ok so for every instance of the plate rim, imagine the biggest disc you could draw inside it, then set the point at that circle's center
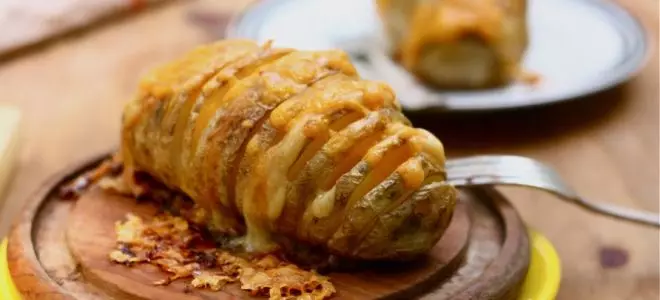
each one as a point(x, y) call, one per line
point(630, 67)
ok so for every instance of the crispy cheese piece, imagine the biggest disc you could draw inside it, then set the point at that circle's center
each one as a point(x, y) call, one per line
point(169, 243)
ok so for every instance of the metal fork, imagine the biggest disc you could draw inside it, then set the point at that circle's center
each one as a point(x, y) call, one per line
point(522, 171)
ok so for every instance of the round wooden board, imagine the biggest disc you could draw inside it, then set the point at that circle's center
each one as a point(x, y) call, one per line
point(58, 250)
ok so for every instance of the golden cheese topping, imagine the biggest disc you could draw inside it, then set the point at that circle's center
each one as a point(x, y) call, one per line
point(349, 94)
point(412, 173)
point(280, 159)
point(164, 80)
point(324, 203)
point(426, 142)
point(451, 20)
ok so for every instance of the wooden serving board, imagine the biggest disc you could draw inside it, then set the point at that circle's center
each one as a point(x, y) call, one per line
point(58, 250)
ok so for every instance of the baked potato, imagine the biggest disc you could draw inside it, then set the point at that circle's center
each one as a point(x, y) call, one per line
point(279, 144)
point(457, 43)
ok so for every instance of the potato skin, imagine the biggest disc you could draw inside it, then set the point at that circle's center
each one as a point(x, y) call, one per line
point(413, 227)
point(325, 163)
point(279, 144)
point(361, 218)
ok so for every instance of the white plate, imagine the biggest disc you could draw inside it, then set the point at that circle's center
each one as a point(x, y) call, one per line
point(578, 47)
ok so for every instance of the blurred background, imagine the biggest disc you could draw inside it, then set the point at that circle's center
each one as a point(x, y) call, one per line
point(68, 66)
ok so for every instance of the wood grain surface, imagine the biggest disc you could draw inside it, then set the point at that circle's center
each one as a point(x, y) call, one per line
point(71, 93)
point(91, 237)
point(58, 249)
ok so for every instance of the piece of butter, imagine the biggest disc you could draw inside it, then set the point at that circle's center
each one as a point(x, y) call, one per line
point(9, 122)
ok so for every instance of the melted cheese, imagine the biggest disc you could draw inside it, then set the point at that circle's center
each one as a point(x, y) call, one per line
point(280, 158)
point(377, 152)
point(412, 173)
point(448, 21)
point(378, 94)
point(189, 98)
point(309, 151)
point(254, 205)
point(383, 159)
point(334, 93)
point(323, 204)
point(287, 111)
point(426, 142)
point(348, 160)
point(216, 90)
point(316, 127)
point(164, 80)
point(348, 147)
point(320, 140)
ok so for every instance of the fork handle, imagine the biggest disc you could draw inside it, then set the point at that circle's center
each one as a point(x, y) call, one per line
point(605, 209)
point(621, 213)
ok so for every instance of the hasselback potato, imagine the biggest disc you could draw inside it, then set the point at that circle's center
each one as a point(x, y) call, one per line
point(457, 43)
point(283, 144)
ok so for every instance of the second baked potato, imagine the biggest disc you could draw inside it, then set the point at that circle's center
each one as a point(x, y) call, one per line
point(457, 43)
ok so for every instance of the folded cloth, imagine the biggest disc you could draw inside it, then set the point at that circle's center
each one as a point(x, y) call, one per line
point(27, 22)
point(9, 119)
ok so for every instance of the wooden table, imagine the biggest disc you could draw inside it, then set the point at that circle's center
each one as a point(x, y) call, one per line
point(72, 93)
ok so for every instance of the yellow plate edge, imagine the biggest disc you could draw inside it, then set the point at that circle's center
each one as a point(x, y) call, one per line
point(541, 283)
point(7, 289)
point(544, 273)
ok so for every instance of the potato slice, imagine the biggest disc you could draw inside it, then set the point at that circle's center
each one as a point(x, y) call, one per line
point(337, 158)
point(350, 185)
point(205, 105)
point(215, 92)
point(244, 104)
point(247, 108)
point(313, 147)
point(212, 96)
point(216, 100)
point(223, 217)
point(305, 137)
point(177, 119)
point(391, 192)
point(267, 135)
point(181, 117)
point(345, 109)
point(162, 85)
point(357, 212)
point(249, 166)
point(257, 155)
point(414, 226)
